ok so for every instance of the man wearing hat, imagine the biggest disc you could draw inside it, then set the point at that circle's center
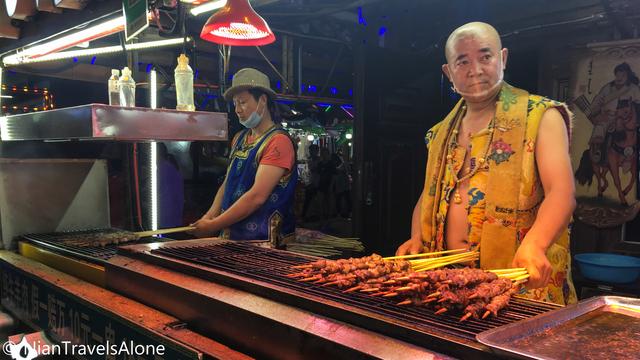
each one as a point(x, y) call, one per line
point(255, 202)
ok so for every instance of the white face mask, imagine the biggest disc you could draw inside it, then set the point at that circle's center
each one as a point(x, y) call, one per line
point(481, 95)
point(254, 119)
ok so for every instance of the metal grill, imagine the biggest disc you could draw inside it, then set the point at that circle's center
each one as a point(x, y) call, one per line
point(95, 254)
point(271, 266)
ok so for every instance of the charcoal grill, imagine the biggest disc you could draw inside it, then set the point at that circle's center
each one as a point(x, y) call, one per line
point(84, 262)
point(93, 254)
point(262, 271)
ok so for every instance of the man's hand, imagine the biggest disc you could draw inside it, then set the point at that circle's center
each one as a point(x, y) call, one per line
point(410, 247)
point(204, 228)
point(534, 259)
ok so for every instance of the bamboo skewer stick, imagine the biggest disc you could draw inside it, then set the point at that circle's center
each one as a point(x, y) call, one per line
point(520, 282)
point(444, 262)
point(370, 290)
point(466, 316)
point(507, 270)
point(521, 277)
point(441, 311)
point(403, 257)
point(513, 274)
point(442, 259)
point(355, 288)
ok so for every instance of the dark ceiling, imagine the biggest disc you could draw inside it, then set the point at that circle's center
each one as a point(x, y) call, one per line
point(324, 33)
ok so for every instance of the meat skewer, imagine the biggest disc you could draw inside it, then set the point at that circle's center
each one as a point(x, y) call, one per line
point(108, 237)
point(473, 310)
point(362, 275)
point(98, 238)
point(491, 289)
point(459, 298)
point(323, 264)
point(469, 290)
point(376, 265)
point(499, 302)
point(417, 300)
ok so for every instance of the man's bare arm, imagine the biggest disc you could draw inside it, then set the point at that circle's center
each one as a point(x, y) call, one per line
point(556, 175)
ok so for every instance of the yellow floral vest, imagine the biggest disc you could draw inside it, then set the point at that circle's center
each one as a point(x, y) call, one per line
point(504, 195)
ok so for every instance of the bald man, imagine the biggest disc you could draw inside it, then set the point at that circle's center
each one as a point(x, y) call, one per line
point(499, 176)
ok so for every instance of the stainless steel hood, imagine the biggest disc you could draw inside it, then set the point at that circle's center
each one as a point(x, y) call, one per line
point(105, 122)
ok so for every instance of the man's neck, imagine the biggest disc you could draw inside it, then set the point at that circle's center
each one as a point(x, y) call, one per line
point(263, 127)
point(481, 109)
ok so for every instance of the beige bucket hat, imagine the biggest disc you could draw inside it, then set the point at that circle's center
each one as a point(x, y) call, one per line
point(246, 79)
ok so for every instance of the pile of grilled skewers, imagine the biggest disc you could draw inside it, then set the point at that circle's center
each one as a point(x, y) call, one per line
point(97, 238)
point(474, 292)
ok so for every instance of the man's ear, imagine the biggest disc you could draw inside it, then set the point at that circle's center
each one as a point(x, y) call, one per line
point(445, 70)
point(505, 54)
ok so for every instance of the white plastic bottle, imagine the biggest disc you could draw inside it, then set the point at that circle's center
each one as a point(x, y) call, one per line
point(127, 88)
point(114, 91)
point(184, 84)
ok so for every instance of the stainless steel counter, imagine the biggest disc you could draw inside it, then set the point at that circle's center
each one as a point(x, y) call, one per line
point(105, 122)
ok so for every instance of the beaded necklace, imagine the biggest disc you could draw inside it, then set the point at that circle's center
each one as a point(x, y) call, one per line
point(453, 144)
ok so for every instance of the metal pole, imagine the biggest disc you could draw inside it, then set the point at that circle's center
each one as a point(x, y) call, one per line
point(290, 64)
point(285, 60)
point(221, 72)
point(286, 83)
point(299, 70)
point(333, 67)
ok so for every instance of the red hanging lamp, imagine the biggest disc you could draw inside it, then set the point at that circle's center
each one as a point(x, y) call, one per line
point(237, 24)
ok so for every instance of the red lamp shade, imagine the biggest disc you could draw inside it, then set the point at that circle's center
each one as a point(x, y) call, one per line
point(237, 24)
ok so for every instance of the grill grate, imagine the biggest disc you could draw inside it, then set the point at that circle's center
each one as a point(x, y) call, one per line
point(271, 266)
point(94, 254)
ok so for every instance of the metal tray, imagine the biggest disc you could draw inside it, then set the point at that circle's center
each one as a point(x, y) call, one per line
point(604, 327)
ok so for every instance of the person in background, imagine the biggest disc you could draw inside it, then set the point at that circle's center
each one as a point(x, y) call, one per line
point(342, 186)
point(498, 176)
point(327, 170)
point(311, 189)
point(255, 202)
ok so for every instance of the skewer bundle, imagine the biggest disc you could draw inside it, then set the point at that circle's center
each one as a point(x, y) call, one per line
point(413, 280)
point(316, 243)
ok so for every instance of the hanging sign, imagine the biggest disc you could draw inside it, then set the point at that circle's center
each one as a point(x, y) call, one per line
point(135, 14)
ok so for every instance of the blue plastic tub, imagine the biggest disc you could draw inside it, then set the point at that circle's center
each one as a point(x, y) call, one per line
point(610, 268)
